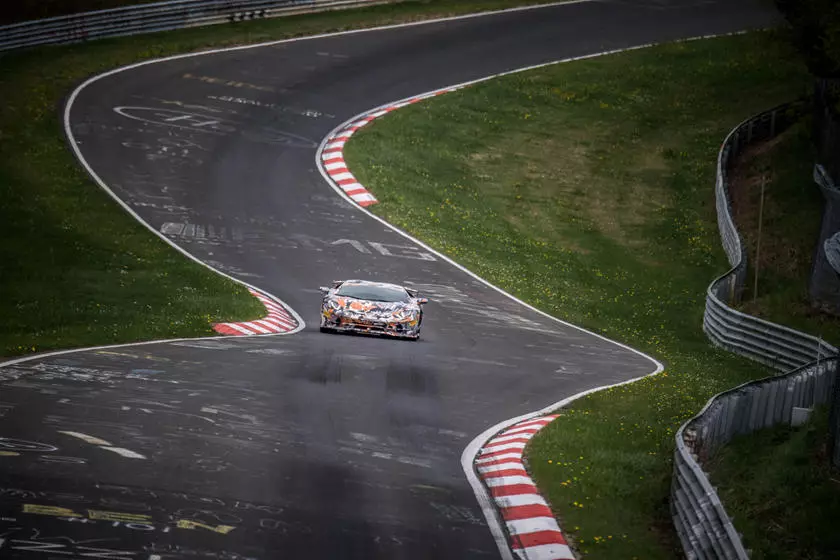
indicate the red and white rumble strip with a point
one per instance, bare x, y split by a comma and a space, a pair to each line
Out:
278, 320
332, 154
531, 527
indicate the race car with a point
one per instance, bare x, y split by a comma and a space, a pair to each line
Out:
372, 307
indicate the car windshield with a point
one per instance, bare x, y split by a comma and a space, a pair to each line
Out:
373, 293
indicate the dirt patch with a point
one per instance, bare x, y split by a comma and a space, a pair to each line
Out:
560, 171
753, 166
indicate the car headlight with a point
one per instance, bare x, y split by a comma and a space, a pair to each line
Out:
410, 317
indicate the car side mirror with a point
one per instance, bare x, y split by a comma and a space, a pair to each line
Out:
422, 300
324, 289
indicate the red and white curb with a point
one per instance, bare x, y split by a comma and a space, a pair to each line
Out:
278, 320
332, 154
533, 532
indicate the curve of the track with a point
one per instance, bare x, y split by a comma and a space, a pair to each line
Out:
308, 445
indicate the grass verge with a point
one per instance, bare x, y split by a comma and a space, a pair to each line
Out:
76, 270
586, 189
792, 214
766, 479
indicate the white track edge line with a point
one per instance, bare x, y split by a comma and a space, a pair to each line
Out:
53, 353
81, 158
72, 141
488, 506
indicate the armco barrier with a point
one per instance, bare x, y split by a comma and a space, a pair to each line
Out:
775, 345
702, 524
159, 16
704, 528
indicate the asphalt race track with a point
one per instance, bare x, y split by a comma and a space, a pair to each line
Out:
308, 445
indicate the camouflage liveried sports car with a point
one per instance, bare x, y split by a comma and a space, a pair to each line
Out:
372, 307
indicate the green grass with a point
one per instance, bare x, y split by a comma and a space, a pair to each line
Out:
773, 481
586, 189
76, 270
793, 209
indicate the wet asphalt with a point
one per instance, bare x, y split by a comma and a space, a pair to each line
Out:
308, 445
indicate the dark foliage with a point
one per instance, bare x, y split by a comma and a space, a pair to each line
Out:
816, 29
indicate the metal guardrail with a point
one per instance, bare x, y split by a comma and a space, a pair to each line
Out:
771, 344
159, 16
704, 528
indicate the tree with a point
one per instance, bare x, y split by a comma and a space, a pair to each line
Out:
815, 25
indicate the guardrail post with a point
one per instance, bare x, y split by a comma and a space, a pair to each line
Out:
705, 529
155, 16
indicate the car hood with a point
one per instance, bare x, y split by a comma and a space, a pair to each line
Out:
374, 308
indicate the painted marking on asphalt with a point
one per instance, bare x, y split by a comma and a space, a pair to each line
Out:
128, 453
102, 444
212, 125
88, 82
363, 437
85, 437
353, 243
11, 444
227, 82
332, 55
416, 461
256, 103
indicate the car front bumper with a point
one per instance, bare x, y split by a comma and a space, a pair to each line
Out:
397, 329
